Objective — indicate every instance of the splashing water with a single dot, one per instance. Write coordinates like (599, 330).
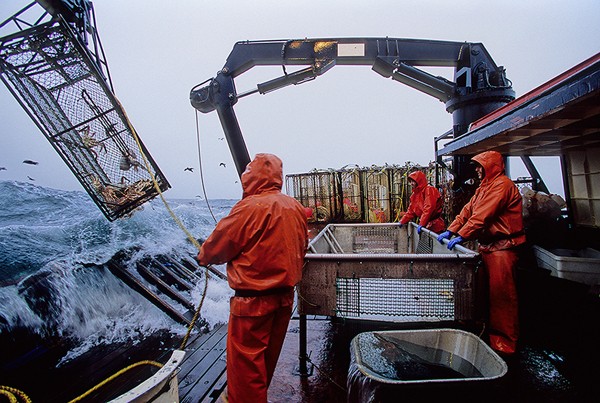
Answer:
(52, 282)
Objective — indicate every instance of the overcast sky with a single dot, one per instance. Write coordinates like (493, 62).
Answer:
(158, 50)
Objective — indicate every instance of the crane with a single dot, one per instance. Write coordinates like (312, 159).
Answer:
(479, 86)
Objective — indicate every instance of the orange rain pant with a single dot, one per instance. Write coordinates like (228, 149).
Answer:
(504, 308)
(256, 331)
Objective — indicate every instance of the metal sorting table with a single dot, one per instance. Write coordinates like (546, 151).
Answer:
(388, 273)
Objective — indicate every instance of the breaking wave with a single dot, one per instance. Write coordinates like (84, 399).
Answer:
(53, 244)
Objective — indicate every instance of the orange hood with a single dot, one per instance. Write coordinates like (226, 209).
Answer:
(492, 163)
(420, 178)
(264, 173)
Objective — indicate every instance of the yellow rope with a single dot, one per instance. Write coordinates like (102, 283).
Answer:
(193, 240)
(114, 376)
(11, 397)
(13, 394)
(197, 313)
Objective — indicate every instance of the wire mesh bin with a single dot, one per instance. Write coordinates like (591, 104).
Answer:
(384, 272)
(63, 90)
(377, 195)
(352, 202)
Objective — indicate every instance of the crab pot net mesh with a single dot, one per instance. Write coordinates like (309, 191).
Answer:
(375, 239)
(64, 92)
(377, 189)
(352, 201)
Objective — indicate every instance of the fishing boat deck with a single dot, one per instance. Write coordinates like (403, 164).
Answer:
(556, 361)
(559, 332)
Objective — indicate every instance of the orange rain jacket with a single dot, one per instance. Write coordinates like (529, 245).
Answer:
(263, 240)
(264, 237)
(425, 203)
(493, 215)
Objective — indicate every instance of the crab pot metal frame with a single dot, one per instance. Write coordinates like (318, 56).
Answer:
(377, 195)
(54, 78)
(352, 200)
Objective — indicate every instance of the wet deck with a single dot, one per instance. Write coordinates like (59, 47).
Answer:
(557, 360)
(34, 370)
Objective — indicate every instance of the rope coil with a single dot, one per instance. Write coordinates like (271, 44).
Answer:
(14, 394)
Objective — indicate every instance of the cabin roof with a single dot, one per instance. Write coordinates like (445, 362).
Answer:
(560, 115)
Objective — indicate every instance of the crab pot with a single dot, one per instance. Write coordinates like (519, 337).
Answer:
(318, 191)
(422, 365)
(386, 273)
(54, 78)
(370, 194)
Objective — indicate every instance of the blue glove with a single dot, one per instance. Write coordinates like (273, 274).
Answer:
(454, 241)
(400, 225)
(444, 235)
(419, 228)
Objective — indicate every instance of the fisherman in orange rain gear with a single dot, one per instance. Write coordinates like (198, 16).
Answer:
(263, 240)
(494, 217)
(425, 203)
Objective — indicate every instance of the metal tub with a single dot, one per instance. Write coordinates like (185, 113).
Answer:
(422, 365)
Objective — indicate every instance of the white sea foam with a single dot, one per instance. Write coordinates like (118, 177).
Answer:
(52, 246)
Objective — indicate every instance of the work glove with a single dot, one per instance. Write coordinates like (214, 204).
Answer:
(454, 241)
(419, 228)
(444, 235)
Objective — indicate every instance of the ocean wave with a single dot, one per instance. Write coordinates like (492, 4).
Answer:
(53, 281)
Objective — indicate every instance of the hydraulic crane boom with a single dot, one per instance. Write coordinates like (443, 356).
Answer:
(479, 86)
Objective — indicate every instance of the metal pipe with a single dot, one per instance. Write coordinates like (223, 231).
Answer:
(438, 83)
(302, 356)
(531, 168)
(420, 86)
(434, 235)
(295, 78)
(398, 257)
